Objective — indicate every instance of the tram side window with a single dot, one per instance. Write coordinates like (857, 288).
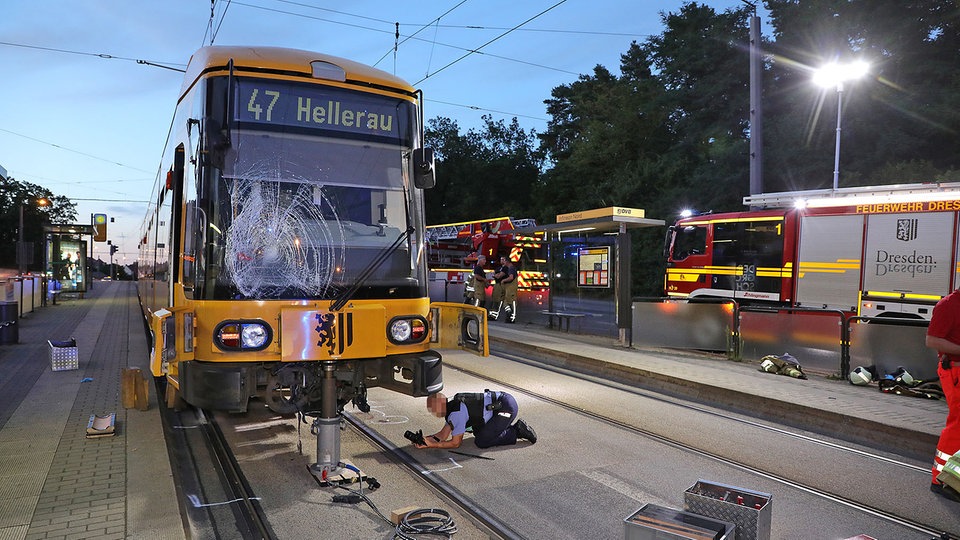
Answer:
(689, 240)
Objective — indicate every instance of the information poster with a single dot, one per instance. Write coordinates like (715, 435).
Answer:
(594, 267)
(67, 260)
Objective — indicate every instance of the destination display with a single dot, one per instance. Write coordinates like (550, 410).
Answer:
(288, 104)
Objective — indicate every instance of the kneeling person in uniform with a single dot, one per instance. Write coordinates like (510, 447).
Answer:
(490, 414)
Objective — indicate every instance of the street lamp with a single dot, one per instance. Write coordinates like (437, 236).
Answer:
(21, 256)
(833, 76)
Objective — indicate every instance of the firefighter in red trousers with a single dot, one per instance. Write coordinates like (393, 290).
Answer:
(943, 335)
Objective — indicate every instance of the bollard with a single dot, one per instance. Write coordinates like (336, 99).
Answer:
(9, 327)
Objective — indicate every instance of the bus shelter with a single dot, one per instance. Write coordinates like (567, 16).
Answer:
(66, 256)
(599, 267)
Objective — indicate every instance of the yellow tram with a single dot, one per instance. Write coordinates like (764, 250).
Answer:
(283, 255)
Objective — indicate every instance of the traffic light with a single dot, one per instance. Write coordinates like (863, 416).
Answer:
(113, 249)
(99, 227)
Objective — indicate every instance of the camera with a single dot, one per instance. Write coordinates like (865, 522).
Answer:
(415, 438)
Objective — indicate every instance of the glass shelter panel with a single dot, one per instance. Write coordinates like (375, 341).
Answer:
(682, 325)
(890, 346)
(813, 338)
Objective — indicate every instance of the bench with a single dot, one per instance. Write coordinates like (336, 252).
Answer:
(562, 317)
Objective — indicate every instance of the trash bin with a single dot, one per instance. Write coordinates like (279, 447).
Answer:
(9, 327)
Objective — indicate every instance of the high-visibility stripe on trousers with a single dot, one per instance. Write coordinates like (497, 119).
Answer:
(949, 443)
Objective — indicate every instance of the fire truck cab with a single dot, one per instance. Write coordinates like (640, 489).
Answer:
(888, 251)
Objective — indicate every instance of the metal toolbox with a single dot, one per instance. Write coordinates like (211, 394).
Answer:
(749, 510)
(652, 522)
(63, 355)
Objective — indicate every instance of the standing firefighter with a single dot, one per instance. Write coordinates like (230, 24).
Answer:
(505, 290)
(478, 297)
(943, 335)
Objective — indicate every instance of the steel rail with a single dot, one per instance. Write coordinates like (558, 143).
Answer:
(249, 510)
(190, 458)
(484, 519)
(710, 410)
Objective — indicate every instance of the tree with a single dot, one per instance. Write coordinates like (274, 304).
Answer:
(483, 173)
(905, 116)
(669, 132)
(12, 195)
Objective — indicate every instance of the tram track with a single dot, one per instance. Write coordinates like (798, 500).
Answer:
(216, 501)
(712, 411)
(675, 443)
(486, 520)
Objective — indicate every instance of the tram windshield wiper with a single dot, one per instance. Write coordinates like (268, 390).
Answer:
(346, 295)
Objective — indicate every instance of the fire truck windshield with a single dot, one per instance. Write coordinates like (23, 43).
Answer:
(689, 240)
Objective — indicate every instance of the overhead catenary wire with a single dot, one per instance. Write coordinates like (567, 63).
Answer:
(391, 33)
(492, 40)
(104, 56)
(411, 36)
(219, 24)
(476, 108)
(467, 26)
(72, 150)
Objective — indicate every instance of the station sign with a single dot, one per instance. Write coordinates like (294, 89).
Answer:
(610, 212)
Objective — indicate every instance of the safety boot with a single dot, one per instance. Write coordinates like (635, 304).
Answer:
(526, 432)
(494, 314)
(943, 490)
(512, 311)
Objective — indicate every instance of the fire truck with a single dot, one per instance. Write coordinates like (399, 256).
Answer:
(888, 251)
(453, 249)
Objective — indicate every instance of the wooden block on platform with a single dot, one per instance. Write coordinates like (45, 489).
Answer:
(128, 387)
(397, 515)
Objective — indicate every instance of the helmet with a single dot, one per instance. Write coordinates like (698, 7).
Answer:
(860, 376)
(901, 375)
(767, 365)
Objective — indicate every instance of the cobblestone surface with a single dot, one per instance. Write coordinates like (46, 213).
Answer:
(55, 483)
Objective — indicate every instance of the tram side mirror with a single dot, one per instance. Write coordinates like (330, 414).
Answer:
(423, 170)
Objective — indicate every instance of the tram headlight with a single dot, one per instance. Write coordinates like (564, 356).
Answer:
(242, 335)
(407, 330)
(253, 336)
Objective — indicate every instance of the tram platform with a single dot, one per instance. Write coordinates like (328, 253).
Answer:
(54, 481)
(821, 403)
(57, 483)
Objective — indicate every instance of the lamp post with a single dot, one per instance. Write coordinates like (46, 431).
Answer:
(21, 256)
(833, 76)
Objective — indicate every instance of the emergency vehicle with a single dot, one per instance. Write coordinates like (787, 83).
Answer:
(453, 249)
(887, 251)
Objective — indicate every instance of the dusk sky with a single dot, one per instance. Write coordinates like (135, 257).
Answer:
(83, 118)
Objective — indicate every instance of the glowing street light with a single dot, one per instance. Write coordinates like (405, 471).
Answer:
(833, 76)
